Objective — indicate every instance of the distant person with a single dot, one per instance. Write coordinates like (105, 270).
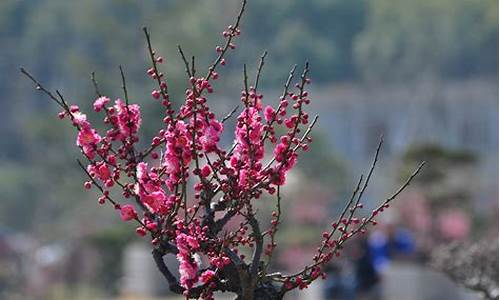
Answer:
(340, 282)
(367, 278)
(392, 243)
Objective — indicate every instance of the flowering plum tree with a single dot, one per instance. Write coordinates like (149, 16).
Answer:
(184, 188)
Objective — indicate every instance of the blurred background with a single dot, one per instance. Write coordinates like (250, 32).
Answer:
(422, 73)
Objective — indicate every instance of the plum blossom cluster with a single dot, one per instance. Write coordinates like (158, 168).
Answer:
(182, 187)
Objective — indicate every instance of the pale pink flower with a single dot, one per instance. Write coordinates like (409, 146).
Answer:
(100, 102)
(79, 118)
(188, 268)
(103, 172)
(154, 200)
(142, 171)
(211, 136)
(127, 212)
(268, 113)
(88, 139)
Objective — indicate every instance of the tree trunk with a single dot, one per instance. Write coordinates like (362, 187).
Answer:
(264, 292)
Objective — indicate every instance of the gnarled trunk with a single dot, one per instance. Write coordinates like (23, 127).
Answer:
(263, 292)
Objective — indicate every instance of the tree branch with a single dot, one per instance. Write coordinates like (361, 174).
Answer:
(173, 284)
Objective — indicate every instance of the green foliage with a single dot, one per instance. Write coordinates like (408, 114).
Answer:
(439, 161)
(322, 164)
(448, 176)
(407, 39)
(321, 31)
(110, 243)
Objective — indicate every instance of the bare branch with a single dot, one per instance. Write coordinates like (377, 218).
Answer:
(173, 284)
(39, 86)
(230, 114)
(124, 86)
(259, 69)
(94, 82)
(184, 59)
(283, 95)
(235, 26)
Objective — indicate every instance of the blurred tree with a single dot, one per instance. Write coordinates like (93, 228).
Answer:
(450, 187)
(407, 39)
(110, 243)
(321, 31)
(445, 176)
(471, 264)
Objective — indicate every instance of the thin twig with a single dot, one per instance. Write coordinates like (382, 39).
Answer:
(283, 96)
(124, 86)
(101, 189)
(96, 86)
(193, 69)
(259, 69)
(230, 114)
(39, 86)
(219, 58)
(365, 185)
(184, 59)
(273, 231)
